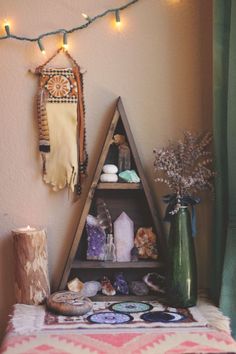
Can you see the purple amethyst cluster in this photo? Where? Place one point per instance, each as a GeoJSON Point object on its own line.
{"type": "Point", "coordinates": [121, 285]}
{"type": "Point", "coordinates": [96, 239]}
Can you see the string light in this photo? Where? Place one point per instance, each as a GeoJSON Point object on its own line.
{"type": "Point", "coordinates": [65, 41]}
{"type": "Point", "coordinates": [7, 27]}
{"type": "Point", "coordinates": [89, 21]}
{"type": "Point", "coordinates": [117, 17]}
{"type": "Point", "coordinates": [117, 14]}
{"type": "Point", "coordinates": [41, 47]}
{"type": "Point", "coordinates": [87, 18]}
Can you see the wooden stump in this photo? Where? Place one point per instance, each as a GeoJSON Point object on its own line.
{"type": "Point", "coordinates": [31, 266]}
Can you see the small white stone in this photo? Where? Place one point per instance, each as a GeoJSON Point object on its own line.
{"type": "Point", "coordinates": [108, 177]}
{"type": "Point", "coordinates": [109, 168]}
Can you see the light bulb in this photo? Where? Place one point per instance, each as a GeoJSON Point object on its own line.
{"type": "Point", "coordinates": [87, 18]}
{"type": "Point", "coordinates": [41, 47]}
{"type": "Point", "coordinates": [7, 27]}
{"type": "Point", "coordinates": [117, 18]}
{"type": "Point", "coordinates": [65, 41]}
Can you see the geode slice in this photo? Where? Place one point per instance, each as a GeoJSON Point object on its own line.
{"type": "Point", "coordinates": [155, 282]}
{"type": "Point", "coordinates": [138, 288]}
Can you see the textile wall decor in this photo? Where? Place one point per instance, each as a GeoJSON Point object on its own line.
{"type": "Point", "coordinates": [61, 122]}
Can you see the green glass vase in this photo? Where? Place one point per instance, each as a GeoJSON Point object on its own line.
{"type": "Point", "coordinates": [182, 268]}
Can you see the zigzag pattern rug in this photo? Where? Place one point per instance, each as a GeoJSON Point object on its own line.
{"type": "Point", "coordinates": [166, 342]}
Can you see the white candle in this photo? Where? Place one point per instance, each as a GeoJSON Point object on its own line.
{"type": "Point", "coordinates": [24, 229]}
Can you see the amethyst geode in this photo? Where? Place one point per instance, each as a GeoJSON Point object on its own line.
{"type": "Point", "coordinates": [96, 238]}
{"type": "Point", "coordinates": [121, 285]}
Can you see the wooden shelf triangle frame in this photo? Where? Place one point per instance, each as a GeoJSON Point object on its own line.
{"type": "Point", "coordinates": [119, 114]}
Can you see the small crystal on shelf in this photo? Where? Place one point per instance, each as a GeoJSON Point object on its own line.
{"type": "Point", "coordinates": [90, 288]}
{"type": "Point", "coordinates": [110, 249]}
{"type": "Point", "coordinates": [146, 243]}
{"type": "Point", "coordinates": [107, 288]}
{"type": "Point", "coordinates": [75, 285]}
{"type": "Point", "coordinates": [121, 285]}
{"type": "Point", "coordinates": [129, 176]}
{"type": "Point", "coordinates": [123, 237]}
{"type": "Point", "coordinates": [138, 288]}
{"type": "Point", "coordinates": [134, 254]}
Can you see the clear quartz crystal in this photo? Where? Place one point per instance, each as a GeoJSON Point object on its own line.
{"type": "Point", "coordinates": [124, 157]}
{"type": "Point", "coordinates": [123, 237]}
{"type": "Point", "coordinates": [110, 251]}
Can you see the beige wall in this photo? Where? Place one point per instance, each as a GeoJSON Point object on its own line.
{"type": "Point", "coordinates": [160, 64]}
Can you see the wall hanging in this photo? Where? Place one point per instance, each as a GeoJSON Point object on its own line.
{"type": "Point", "coordinates": [61, 122]}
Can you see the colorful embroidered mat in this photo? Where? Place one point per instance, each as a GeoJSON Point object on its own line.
{"type": "Point", "coordinates": [35, 318]}
{"type": "Point", "coordinates": [163, 316]}
{"type": "Point", "coordinates": [113, 318]}
{"type": "Point", "coordinates": [130, 307]}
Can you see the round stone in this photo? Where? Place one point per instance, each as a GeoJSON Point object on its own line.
{"type": "Point", "coordinates": [109, 168]}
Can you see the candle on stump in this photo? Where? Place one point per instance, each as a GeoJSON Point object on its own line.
{"type": "Point", "coordinates": [31, 265]}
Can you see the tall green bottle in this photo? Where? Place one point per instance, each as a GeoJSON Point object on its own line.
{"type": "Point", "coordinates": [182, 268]}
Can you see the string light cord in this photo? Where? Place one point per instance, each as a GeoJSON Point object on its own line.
{"type": "Point", "coordinates": [90, 20]}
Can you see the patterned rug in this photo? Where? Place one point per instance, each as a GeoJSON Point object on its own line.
{"type": "Point", "coordinates": [32, 330]}
{"type": "Point", "coordinates": [36, 318]}
{"type": "Point", "coordinates": [163, 342]}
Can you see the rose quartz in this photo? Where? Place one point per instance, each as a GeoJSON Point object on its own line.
{"type": "Point", "coordinates": [123, 237]}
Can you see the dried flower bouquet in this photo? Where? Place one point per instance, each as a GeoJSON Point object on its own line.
{"type": "Point", "coordinates": [185, 167]}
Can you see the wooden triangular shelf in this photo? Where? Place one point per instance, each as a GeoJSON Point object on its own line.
{"type": "Point", "coordinates": [136, 197]}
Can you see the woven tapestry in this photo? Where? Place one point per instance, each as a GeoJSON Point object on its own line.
{"type": "Point", "coordinates": [61, 122]}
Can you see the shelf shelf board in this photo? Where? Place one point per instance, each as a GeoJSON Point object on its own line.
{"type": "Point", "coordinates": [102, 264]}
{"type": "Point", "coordinates": [118, 185]}
{"type": "Point", "coordinates": [116, 298]}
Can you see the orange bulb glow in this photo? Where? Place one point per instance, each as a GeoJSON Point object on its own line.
{"type": "Point", "coordinates": [173, 2]}
{"type": "Point", "coordinates": [6, 22]}
{"type": "Point", "coordinates": [118, 25]}
{"type": "Point", "coordinates": [7, 27]}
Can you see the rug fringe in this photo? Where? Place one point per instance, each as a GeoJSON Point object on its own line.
{"type": "Point", "coordinates": [27, 318]}
{"type": "Point", "coordinates": [215, 317]}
